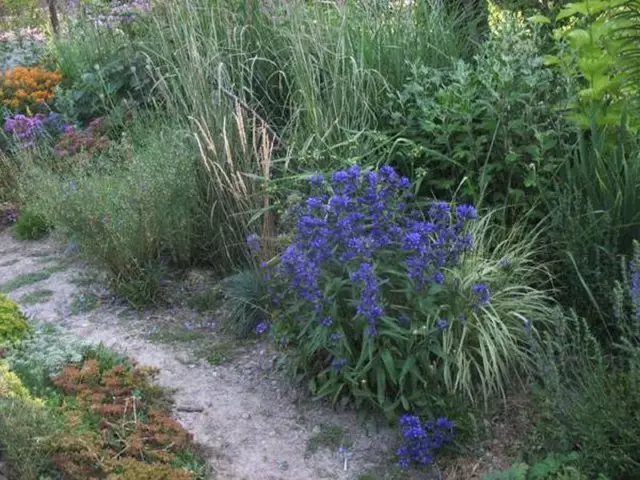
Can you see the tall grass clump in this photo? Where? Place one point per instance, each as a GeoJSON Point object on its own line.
{"type": "Point", "coordinates": [9, 173]}
{"type": "Point", "coordinates": [595, 215]}
{"type": "Point", "coordinates": [588, 390]}
{"type": "Point", "coordinates": [131, 208]}
{"type": "Point", "coordinates": [317, 74]}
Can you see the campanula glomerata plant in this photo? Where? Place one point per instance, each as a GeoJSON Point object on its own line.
{"type": "Point", "coordinates": [28, 89]}
{"type": "Point", "coordinates": [389, 301]}
{"type": "Point", "coordinates": [423, 439]}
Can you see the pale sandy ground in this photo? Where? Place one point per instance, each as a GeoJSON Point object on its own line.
{"type": "Point", "coordinates": [251, 422]}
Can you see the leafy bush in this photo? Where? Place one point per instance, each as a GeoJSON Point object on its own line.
{"type": "Point", "coordinates": [31, 225]}
{"type": "Point", "coordinates": [26, 433]}
{"type": "Point", "coordinates": [488, 127]}
{"type": "Point", "coordinates": [13, 326]}
{"type": "Point", "coordinates": [553, 467]}
{"type": "Point", "coordinates": [102, 72]}
{"type": "Point", "coordinates": [595, 47]}
{"type": "Point", "coordinates": [394, 304]}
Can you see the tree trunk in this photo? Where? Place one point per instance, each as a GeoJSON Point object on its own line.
{"type": "Point", "coordinates": [53, 15]}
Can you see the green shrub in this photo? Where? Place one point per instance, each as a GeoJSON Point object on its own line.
{"type": "Point", "coordinates": [244, 303]}
{"type": "Point", "coordinates": [138, 208]}
{"type": "Point", "coordinates": [488, 129]}
{"type": "Point", "coordinates": [31, 225]}
{"type": "Point", "coordinates": [400, 309]}
{"type": "Point", "coordinates": [26, 431]}
{"type": "Point", "coordinates": [13, 325]}
{"type": "Point", "coordinates": [596, 48]}
{"type": "Point", "coordinates": [102, 71]}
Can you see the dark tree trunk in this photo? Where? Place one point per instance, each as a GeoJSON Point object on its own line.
{"type": "Point", "coordinates": [53, 15]}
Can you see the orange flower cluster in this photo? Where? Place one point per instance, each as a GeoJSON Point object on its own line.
{"type": "Point", "coordinates": [28, 88]}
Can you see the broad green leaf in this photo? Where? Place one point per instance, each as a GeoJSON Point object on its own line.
{"type": "Point", "coordinates": [551, 60]}
{"type": "Point", "coordinates": [540, 19]}
{"type": "Point", "coordinates": [409, 363]}
{"type": "Point", "coordinates": [579, 37]}
{"type": "Point", "coordinates": [572, 9]}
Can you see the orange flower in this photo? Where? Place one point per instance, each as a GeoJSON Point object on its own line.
{"type": "Point", "coordinates": [26, 88]}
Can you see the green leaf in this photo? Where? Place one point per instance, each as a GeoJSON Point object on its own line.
{"type": "Point", "coordinates": [572, 9]}
{"type": "Point", "coordinates": [409, 363]}
{"type": "Point", "coordinates": [551, 60]}
{"type": "Point", "coordinates": [381, 380]}
{"type": "Point", "coordinates": [579, 37]}
{"type": "Point", "coordinates": [540, 19]}
{"type": "Point", "coordinates": [389, 364]}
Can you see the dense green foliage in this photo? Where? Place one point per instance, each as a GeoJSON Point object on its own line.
{"type": "Point", "coordinates": [13, 326]}
{"type": "Point", "coordinates": [487, 128]}
{"type": "Point", "coordinates": [31, 225]}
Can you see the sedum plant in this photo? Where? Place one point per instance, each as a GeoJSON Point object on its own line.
{"type": "Point", "coordinates": [13, 326]}
{"type": "Point", "coordinates": [391, 302]}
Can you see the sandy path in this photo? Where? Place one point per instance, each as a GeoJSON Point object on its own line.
{"type": "Point", "coordinates": [253, 427]}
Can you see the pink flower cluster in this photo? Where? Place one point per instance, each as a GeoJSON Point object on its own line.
{"type": "Point", "coordinates": [91, 140]}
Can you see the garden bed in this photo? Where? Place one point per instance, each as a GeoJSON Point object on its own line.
{"type": "Point", "coordinates": [73, 411]}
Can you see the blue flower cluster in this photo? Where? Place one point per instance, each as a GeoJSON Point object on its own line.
{"type": "Point", "coordinates": [353, 221]}
{"type": "Point", "coordinates": [423, 439]}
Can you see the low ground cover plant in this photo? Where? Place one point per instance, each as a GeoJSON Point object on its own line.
{"type": "Point", "coordinates": [13, 325]}
{"type": "Point", "coordinates": [93, 413]}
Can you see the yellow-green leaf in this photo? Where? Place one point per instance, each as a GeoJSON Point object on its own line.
{"type": "Point", "coordinates": [539, 19]}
